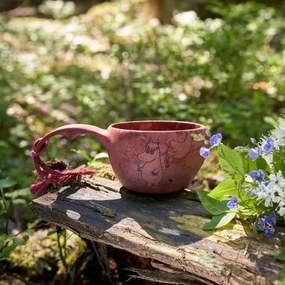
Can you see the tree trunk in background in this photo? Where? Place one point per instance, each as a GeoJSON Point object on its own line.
{"type": "Point", "coordinates": [6, 5]}
{"type": "Point", "coordinates": [164, 10]}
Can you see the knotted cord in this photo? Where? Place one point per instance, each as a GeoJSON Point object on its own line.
{"type": "Point", "coordinates": [46, 174]}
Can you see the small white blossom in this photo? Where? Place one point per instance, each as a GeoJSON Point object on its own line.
{"type": "Point", "coordinates": [271, 192]}
{"type": "Point", "coordinates": [266, 193]}
{"type": "Point", "coordinates": [264, 181]}
{"type": "Point", "coordinates": [278, 134]}
{"type": "Point", "coordinates": [277, 179]}
{"type": "Point", "coordinates": [281, 211]}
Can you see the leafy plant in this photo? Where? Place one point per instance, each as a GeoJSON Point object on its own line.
{"type": "Point", "coordinates": [115, 63]}
{"type": "Point", "coordinates": [255, 186]}
{"type": "Point", "coordinates": [8, 201]}
{"type": "Point", "coordinates": [254, 190]}
{"type": "Point", "coordinates": [8, 243]}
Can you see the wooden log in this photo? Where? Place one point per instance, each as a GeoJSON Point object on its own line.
{"type": "Point", "coordinates": [166, 229]}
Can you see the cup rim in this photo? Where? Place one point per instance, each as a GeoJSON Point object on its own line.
{"type": "Point", "coordinates": [193, 126]}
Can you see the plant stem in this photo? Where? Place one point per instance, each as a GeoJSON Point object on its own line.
{"type": "Point", "coordinates": [61, 249]}
{"type": "Point", "coordinates": [4, 203]}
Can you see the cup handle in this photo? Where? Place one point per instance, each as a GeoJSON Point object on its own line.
{"type": "Point", "coordinates": [48, 175]}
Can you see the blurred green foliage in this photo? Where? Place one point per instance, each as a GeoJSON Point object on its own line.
{"type": "Point", "coordinates": [221, 72]}
{"type": "Point", "coordinates": [117, 63]}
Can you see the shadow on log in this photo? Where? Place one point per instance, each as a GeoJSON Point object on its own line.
{"type": "Point", "coordinates": [165, 229]}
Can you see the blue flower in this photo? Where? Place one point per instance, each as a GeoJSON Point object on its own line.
{"type": "Point", "coordinates": [266, 224]}
{"type": "Point", "coordinates": [272, 219]}
{"type": "Point", "coordinates": [269, 220]}
{"type": "Point", "coordinates": [233, 203]}
{"type": "Point", "coordinates": [268, 145]}
{"type": "Point", "coordinates": [253, 153]}
{"type": "Point", "coordinates": [257, 174]}
{"type": "Point", "coordinates": [205, 152]}
{"type": "Point", "coordinates": [216, 139]}
{"type": "Point", "coordinates": [269, 231]}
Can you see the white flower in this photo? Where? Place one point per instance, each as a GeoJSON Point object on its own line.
{"type": "Point", "coordinates": [281, 211]}
{"type": "Point", "coordinates": [276, 193]}
{"type": "Point", "coordinates": [271, 192]}
{"type": "Point", "coordinates": [277, 179]}
{"type": "Point", "coordinates": [278, 133]}
{"type": "Point", "coordinates": [267, 194]}
{"type": "Point", "coordinates": [270, 197]}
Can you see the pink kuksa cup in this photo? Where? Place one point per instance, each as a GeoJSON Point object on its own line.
{"type": "Point", "coordinates": [146, 156]}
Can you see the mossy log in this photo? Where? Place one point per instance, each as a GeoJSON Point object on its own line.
{"type": "Point", "coordinates": [165, 229]}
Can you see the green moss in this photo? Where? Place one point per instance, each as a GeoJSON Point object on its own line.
{"type": "Point", "coordinates": [75, 250]}
{"type": "Point", "coordinates": [41, 254]}
{"type": "Point", "coordinates": [192, 224]}
{"type": "Point", "coordinates": [37, 256]}
{"type": "Point", "coordinates": [104, 170]}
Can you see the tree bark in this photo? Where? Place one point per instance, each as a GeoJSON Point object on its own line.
{"type": "Point", "coordinates": [166, 229]}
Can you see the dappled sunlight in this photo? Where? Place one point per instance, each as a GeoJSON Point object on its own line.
{"type": "Point", "coordinates": [73, 214]}
{"type": "Point", "coordinates": [65, 62]}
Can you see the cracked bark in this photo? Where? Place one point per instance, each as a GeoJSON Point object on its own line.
{"type": "Point", "coordinates": [165, 229]}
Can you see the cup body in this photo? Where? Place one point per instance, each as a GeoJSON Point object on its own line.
{"type": "Point", "coordinates": [155, 156]}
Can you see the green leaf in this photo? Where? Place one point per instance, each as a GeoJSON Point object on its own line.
{"type": "Point", "coordinates": [262, 164]}
{"type": "Point", "coordinates": [226, 187]}
{"type": "Point", "coordinates": [250, 164]}
{"type": "Point", "coordinates": [278, 162]}
{"type": "Point", "coordinates": [219, 221]}
{"type": "Point", "coordinates": [282, 276]}
{"type": "Point", "coordinates": [101, 155]}
{"type": "Point", "coordinates": [198, 137]}
{"type": "Point", "coordinates": [213, 206]}
{"type": "Point", "coordinates": [7, 182]}
{"type": "Point", "coordinates": [83, 154]}
{"type": "Point", "coordinates": [19, 201]}
{"type": "Point", "coordinates": [9, 243]}
{"type": "Point", "coordinates": [231, 162]}
{"type": "Point", "coordinates": [18, 193]}
{"type": "Point", "coordinates": [281, 255]}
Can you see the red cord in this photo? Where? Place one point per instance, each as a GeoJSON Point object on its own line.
{"type": "Point", "coordinates": [48, 175]}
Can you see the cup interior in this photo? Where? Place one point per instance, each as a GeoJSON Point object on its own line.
{"type": "Point", "coordinates": [157, 126]}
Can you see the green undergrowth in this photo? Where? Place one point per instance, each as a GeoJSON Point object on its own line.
{"type": "Point", "coordinates": [117, 63]}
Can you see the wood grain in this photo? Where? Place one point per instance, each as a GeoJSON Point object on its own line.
{"type": "Point", "coordinates": [165, 229]}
